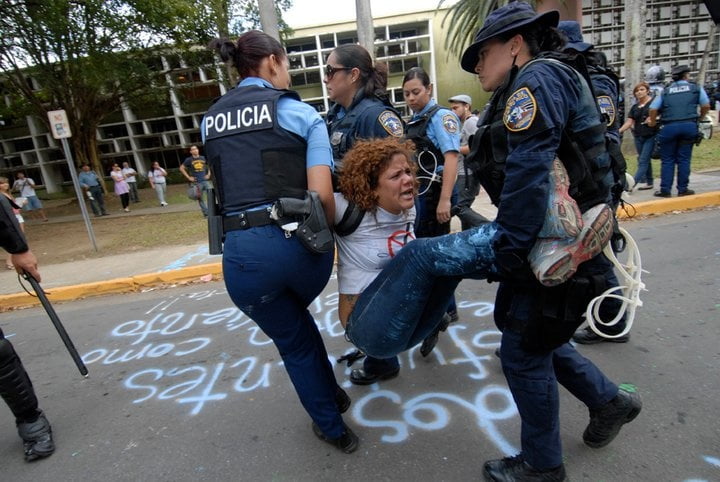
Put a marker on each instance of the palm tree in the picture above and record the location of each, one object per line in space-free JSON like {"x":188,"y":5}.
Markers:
{"x":466,"y":17}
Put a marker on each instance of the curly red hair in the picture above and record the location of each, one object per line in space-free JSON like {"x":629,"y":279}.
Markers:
{"x":363,"y":164}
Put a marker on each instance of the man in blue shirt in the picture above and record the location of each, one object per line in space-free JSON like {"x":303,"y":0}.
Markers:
{"x":195,"y":169}
{"x":677,"y":106}
{"x":90,"y":183}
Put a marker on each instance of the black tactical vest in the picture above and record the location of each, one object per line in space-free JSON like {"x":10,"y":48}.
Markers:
{"x":253,"y":160}
{"x":580,"y":152}
{"x":428,"y":156}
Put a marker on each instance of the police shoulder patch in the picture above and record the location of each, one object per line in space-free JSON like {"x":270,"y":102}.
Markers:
{"x":520,"y":110}
{"x":607,"y":107}
{"x":391,"y":123}
{"x":450,"y":123}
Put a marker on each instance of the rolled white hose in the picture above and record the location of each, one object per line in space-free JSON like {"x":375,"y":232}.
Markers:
{"x":628,"y":291}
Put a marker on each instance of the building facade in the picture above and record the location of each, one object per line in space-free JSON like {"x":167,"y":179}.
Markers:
{"x":677,"y":32}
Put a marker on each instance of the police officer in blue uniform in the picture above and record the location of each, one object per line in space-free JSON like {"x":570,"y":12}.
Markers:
{"x":606,"y":89}
{"x":362,"y":110}
{"x":16,"y":388}
{"x":435,"y":130}
{"x":541,"y":109}
{"x":264,"y":144}
{"x":678,"y":109}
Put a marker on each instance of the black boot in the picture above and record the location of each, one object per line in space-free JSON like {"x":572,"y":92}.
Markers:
{"x":428,"y":344}
{"x":515,"y":469}
{"x":347,"y":442}
{"x":37,"y":438}
{"x":17,"y":391}
{"x":606,"y":421}
{"x":586,"y":336}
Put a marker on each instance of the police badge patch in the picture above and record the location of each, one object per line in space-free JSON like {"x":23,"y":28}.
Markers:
{"x":520,"y":110}
{"x":450,"y":123}
{"x":391,"y":123}
{"x":607,"y":107}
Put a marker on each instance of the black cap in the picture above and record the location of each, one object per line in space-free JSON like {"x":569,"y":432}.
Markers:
{"x":678,"y":70}
{"x":505,"y":19}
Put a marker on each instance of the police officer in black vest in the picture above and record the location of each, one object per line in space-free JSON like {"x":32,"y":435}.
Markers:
{"x":362,"y":110}
{"x":541,"y":109}
{"x":15,"y":385}
{"x":679,"y":106}
{"x":264,"y":144}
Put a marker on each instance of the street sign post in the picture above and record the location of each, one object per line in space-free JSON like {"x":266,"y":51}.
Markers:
{"x":60,"y":128}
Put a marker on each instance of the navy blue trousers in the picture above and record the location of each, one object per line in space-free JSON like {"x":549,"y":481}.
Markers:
{"x":273,"y":279}
{"x":676,"y":143}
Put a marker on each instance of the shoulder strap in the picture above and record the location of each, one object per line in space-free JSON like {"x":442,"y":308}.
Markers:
{"x":352,"y":217}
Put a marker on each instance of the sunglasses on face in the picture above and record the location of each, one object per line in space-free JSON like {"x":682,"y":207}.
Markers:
{"x":330,"y":71}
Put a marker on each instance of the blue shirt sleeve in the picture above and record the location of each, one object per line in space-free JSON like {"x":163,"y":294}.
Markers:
{"x":657,"y":101}
{"x":444,"y":131}
{"x":303,"y":120}
{"x":704,"y":99}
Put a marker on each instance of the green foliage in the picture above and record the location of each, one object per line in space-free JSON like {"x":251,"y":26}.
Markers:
{"x":464,"y":19}
{"x":87,"y":58}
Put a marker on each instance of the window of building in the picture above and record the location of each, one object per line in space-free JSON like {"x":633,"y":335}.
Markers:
{"x":112,"y":131}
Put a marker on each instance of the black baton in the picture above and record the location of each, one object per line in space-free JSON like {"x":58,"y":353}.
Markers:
{"x":58,"y":325}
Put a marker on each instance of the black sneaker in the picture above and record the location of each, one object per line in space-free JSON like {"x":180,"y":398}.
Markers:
{"x":662,"y":194}
{"x":37,"y":438}
{"x":686,"y":192}
{"x":606,"y":421}
{"x":347,"y":442}
{"x":515,"y":469}
{"x":586,"y":336}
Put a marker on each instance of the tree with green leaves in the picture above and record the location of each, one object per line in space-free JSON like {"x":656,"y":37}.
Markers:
{"x":87,"y":57}
{"x":92,"y":57}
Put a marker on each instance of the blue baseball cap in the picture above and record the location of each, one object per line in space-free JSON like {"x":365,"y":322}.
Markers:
{"x":573,"y":32}
{"x":505,"y":19}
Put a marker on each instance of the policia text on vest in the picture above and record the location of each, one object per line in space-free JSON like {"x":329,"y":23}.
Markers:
{"x":244,"y":118}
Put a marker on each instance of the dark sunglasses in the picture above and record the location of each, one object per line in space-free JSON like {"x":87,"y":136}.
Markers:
{"x":330,"y":71}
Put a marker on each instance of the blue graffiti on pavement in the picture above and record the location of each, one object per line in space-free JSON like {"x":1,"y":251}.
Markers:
{"x":188,"y":378}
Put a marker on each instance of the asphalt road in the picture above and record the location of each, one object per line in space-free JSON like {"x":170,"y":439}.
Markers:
{"x":183,"y":387}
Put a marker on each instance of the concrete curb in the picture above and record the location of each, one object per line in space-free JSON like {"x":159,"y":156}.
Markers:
{"x":214,"y":270}
{"x":666,"y":205}
{"x":118,"y":285}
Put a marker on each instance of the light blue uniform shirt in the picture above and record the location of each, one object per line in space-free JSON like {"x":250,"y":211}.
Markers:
{"x":657,"y":101}
{"x":301,"y":119}
{"x":436,"y":131}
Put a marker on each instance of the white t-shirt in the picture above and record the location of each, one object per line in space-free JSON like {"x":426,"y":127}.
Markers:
{"x":363,"y":253}
{"x":25,"y":186}
{"x":157,"y":176}
{"x":129,"y":174}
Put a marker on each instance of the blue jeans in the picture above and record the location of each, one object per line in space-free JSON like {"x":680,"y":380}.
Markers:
{"x":204,"y":186}
{"x":273,"y":280}
{"x":426,"y":223}
{"x":676,"y":143}
{"x":644,"y":147}
{"x":409,"y":297}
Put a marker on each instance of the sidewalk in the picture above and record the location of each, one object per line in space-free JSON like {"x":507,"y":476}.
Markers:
{"x":183,"y":264}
